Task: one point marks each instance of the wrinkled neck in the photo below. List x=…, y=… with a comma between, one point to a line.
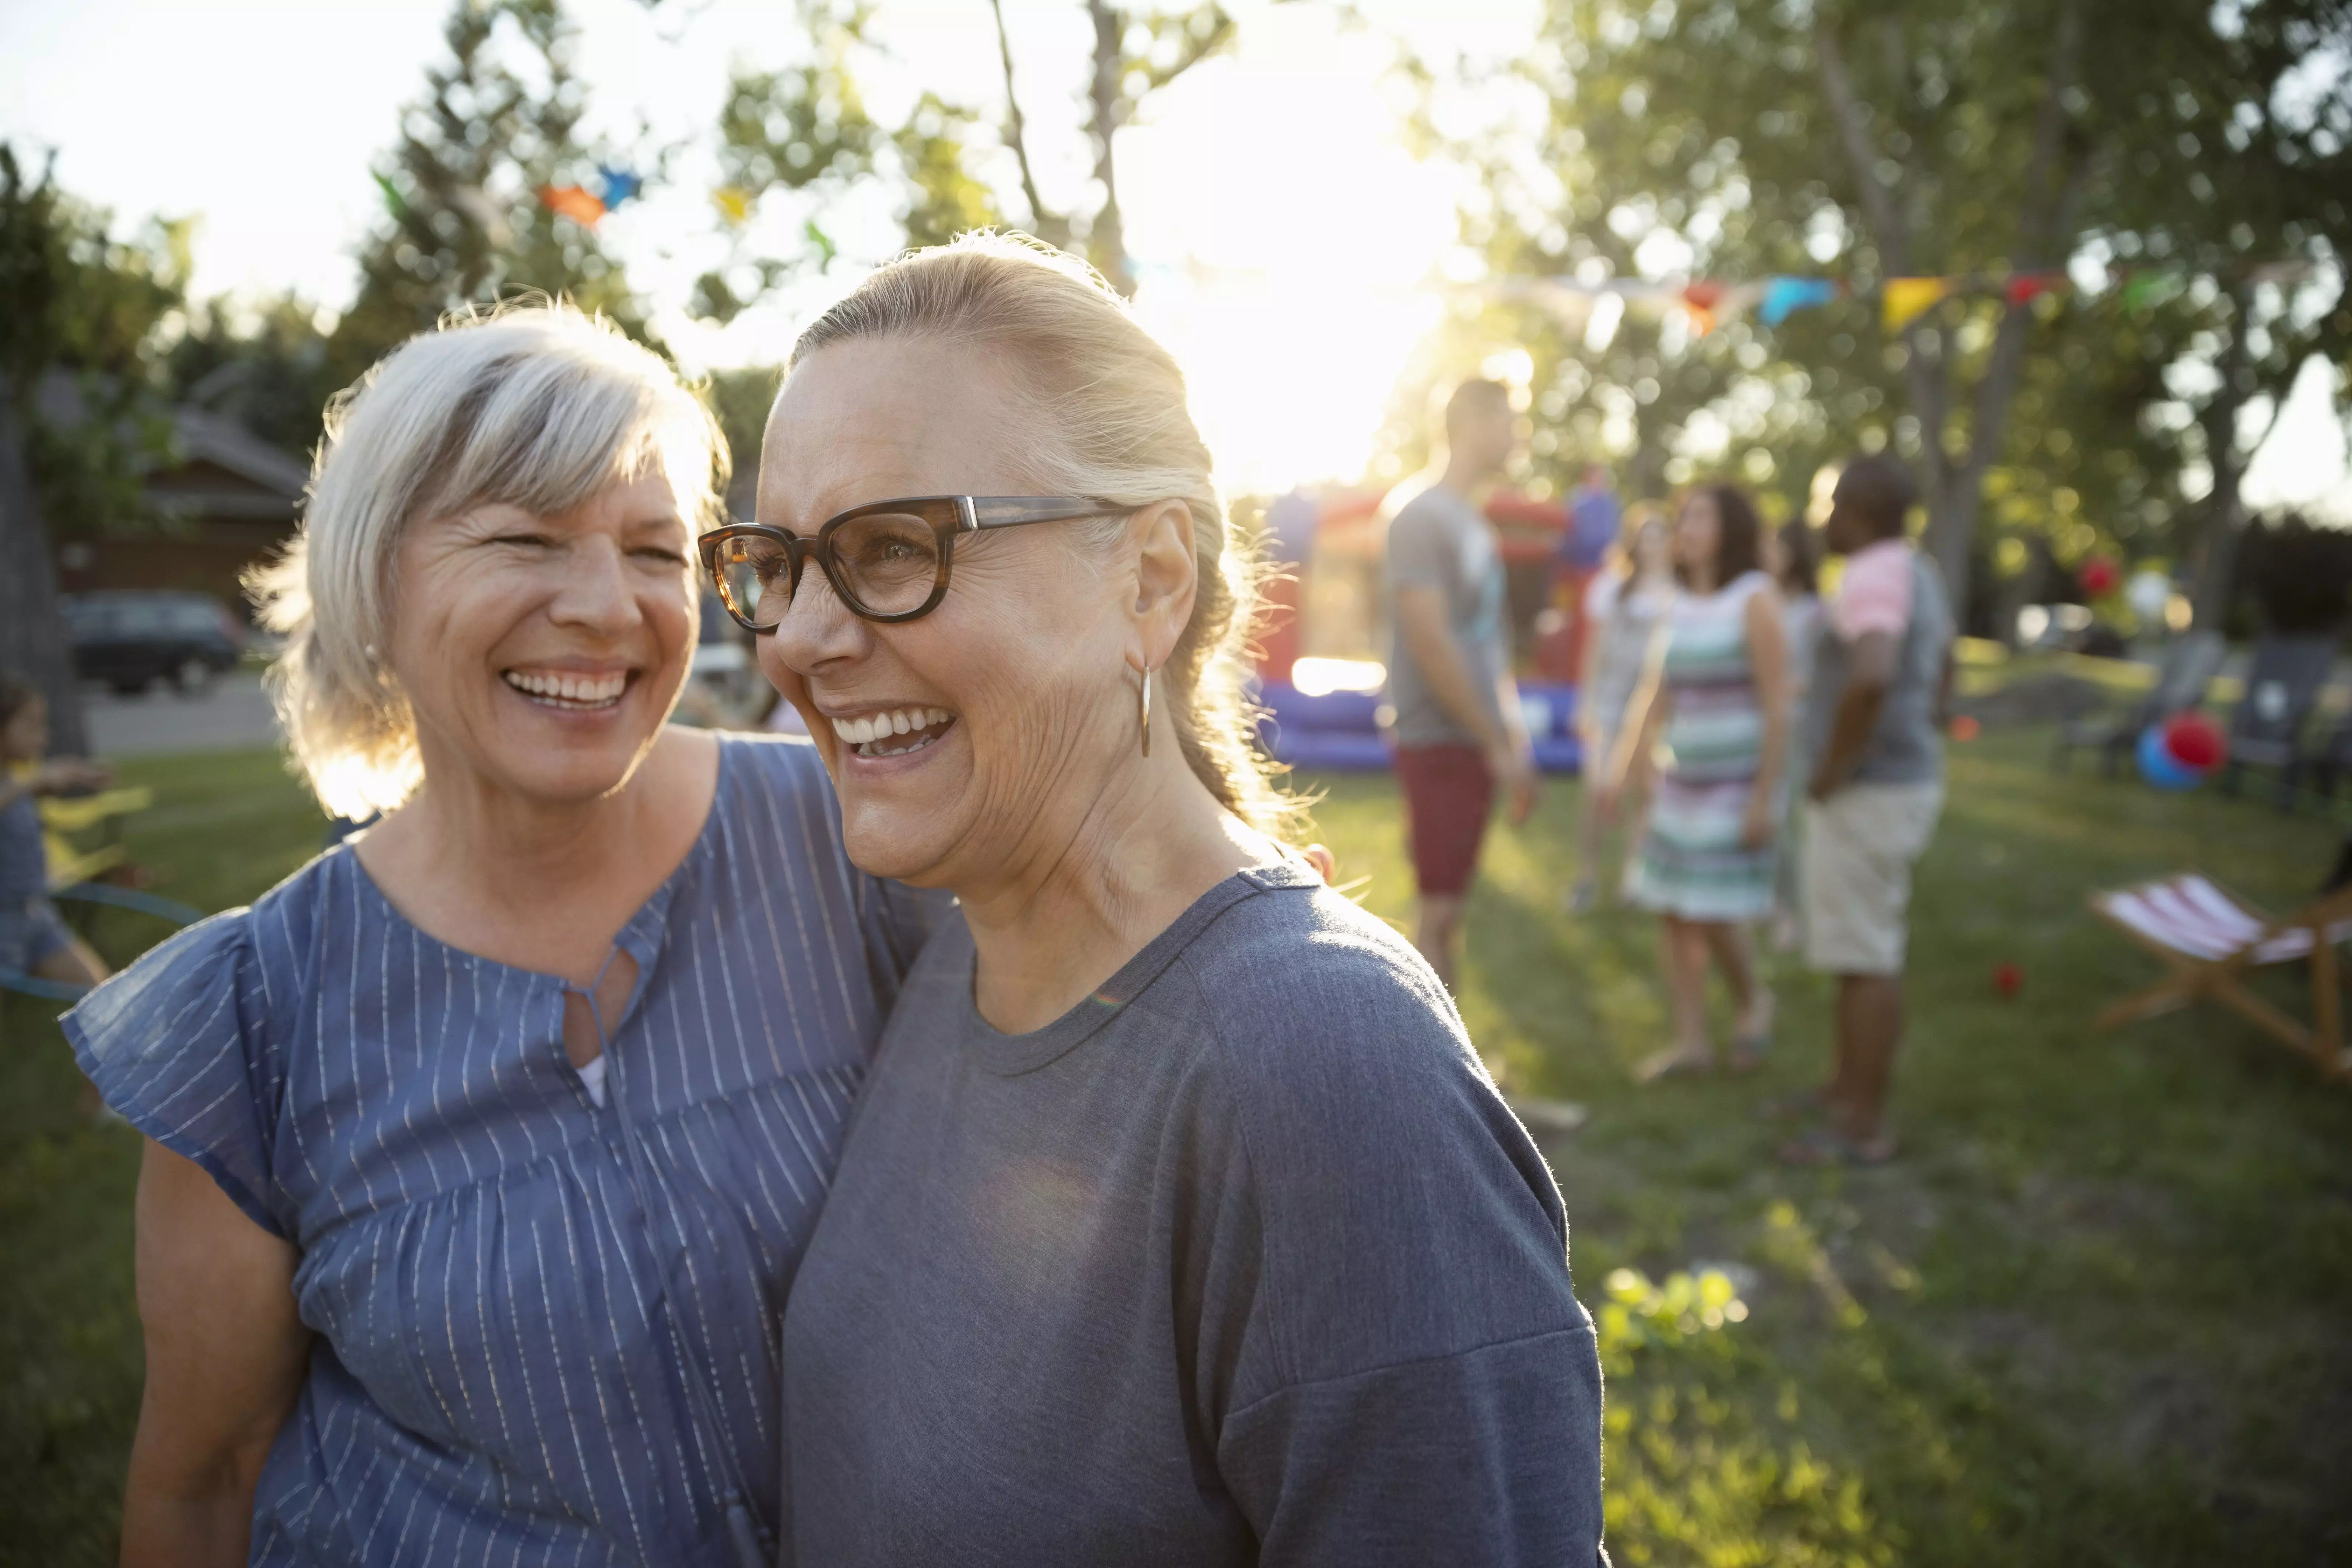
x=1097, y=880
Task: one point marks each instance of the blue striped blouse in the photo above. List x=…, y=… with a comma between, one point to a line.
x=547, y=1330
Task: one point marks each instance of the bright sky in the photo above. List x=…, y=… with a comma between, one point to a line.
x=1282, y=232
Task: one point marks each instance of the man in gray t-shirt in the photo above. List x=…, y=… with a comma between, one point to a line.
x=1458, y=730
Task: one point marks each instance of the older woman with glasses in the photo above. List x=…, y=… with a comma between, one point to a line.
x=483, y=1148
x=1179, y=1223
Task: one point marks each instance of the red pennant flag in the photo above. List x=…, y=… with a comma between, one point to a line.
x=1701, y=298
x=2027, y=287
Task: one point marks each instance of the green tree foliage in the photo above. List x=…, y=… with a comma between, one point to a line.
x=1869, y=140
x=264, y=364
x=465, y=225
x=803, y=130
x=78, y=423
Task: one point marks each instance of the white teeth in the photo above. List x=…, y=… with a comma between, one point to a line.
x=867, y=732
x=589, y=690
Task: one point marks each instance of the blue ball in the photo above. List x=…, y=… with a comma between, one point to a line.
x=2159, y=767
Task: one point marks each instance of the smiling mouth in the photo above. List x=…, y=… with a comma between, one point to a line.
x=569, y=693
x=893, y=733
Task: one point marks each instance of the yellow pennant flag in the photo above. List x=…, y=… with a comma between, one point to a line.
x=1903, y=301
x=734, y=203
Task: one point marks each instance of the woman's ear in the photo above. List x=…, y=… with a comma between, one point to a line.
x=1167, y=577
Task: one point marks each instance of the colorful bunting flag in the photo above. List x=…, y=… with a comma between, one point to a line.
x=572, y=201
x=1700, y=299
x=1784, y=297
x=2146, y=288
x=1708, y=302
x=1903, y=301
x=391, y=197
x=819, y=239
x=734, y=203
x=620, y=185
x=2027, y=286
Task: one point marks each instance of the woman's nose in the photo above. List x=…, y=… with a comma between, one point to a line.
x=817, y=627
x=597, y=593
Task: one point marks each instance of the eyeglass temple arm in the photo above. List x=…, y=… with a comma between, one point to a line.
x=1010, y=512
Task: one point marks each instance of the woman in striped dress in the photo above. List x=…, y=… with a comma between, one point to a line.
x=1712, y=719
x=482, y=1150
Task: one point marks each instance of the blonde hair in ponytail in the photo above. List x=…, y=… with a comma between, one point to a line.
x=1109, y=402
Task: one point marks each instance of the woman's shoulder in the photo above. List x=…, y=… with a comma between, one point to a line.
x=1300, y=983
x=776, y=770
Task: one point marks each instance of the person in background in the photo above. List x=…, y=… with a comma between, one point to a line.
x=1624, y=606
x=1458, y=729
x=1790, y=557
x=1874, y=736
x=1718, y=692
x=1594, y=524
x=34, y=938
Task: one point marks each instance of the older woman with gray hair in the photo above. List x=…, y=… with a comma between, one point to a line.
x=1179, y=1223
x=483, y=1148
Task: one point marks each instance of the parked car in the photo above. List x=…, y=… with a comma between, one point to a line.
x=131, y=639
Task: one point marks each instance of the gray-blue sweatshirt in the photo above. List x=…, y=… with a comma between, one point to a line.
x=1241, y=1261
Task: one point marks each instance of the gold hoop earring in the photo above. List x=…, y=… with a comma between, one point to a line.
x=1143, y=712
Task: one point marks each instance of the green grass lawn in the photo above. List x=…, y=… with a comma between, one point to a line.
x=2097, y=1312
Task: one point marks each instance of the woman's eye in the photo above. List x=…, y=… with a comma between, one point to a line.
x=669, y=557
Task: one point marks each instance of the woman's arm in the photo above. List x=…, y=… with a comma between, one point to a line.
x=1638, y=731
x=1768, y=666
x=226, y=1356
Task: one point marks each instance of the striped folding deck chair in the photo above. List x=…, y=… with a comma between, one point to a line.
x=2209, y=940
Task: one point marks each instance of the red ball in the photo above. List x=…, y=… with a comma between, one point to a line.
x=1965, y=728
x=2098, y=576
x=2007, y=978
x=2195, y=741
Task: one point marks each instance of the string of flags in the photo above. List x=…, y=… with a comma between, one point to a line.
x=584, y=206
x=1706, y=303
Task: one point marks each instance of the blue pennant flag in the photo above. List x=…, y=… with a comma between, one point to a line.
x=1784, y=297
x=619, y=186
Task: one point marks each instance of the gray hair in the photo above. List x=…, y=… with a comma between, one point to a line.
x=536, y=405
x=1107, y=402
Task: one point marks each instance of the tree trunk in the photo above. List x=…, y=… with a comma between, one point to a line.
x=1107, y=238
x=1955, y=496
x=2225, y=518
x=33, y=640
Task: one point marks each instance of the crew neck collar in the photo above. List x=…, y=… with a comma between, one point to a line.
x=1010, y=1056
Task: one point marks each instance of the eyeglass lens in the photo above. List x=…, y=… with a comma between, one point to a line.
x=887, y=562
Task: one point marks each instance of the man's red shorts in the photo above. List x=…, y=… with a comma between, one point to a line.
x=1447, y=793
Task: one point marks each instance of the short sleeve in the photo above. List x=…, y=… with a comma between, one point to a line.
x=1874, y=595
x=1488, y=1457
x=1420, y=554
x=173, y=1044
x=1384, y=1169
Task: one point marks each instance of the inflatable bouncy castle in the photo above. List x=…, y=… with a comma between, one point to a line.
x=1323, y=638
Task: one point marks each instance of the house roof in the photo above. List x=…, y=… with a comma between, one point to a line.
x=201, y=436
x=218, y=439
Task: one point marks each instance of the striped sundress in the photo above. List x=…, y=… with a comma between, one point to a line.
x=547, y=1322
x=1692, y=863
